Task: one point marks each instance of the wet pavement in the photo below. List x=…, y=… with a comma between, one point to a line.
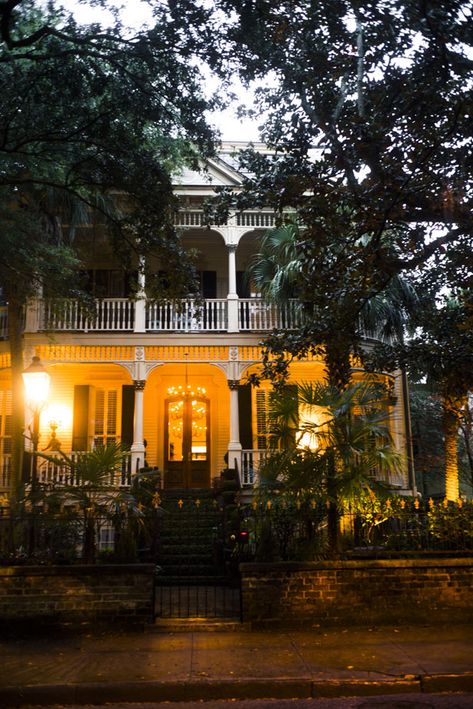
x=159, y=664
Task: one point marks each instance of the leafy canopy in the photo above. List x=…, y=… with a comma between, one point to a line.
x=91, y=114
x=368, y=109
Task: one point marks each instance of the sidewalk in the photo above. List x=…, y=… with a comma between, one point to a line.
x=97, y=665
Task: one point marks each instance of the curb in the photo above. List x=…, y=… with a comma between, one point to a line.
x=305, y=688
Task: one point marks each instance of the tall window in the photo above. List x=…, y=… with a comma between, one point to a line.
x=105, y=416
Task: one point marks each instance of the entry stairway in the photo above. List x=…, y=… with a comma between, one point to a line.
x=195, y=577
x=191, y=535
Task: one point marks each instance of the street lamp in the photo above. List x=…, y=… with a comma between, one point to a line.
x=36, y=381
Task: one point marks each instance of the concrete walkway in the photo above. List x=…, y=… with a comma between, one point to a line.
x=159, y=664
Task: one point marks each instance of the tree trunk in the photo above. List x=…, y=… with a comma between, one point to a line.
x=333, y=514
x=338, y=363
x=451, y=424
x=15, y=335
x=467, y=430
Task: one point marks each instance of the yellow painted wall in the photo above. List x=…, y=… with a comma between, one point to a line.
x=61, y=395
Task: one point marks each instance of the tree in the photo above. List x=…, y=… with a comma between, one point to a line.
x=91, y=485
x=96, y=118
x=277, y=270
x=367, y=109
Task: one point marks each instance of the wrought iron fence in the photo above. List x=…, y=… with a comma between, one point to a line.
x=39, y=536
x=285, y=528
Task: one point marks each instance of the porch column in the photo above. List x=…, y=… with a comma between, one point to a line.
x=232, y=297
x=138, y=447
x=234, y=445
x=140, y=303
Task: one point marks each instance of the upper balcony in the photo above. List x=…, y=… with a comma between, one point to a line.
x=212, y=315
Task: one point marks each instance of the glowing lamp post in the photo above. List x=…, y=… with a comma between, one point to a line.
x=36, y=381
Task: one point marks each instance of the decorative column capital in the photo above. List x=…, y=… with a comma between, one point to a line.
x=233, y=384
x=139, y=384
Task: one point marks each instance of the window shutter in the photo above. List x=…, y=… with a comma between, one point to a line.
x=261, y=418
x=128, y=410
x=99, y=428
x=106, y=406
x=111, y=414
x=244, y=415
x=80, y=424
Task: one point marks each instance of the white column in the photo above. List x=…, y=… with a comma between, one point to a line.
x=140, y=303
x=232, y=297
x=234, y=445
x=138, y=447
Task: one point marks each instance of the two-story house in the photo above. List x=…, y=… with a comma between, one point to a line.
x=169, y=380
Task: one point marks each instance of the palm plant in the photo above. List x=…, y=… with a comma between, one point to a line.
x=388, y=315
x=341, y=446
x=277, y=272
x=92, y=487
x=275, y=269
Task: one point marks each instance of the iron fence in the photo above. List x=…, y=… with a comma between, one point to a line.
x=285, y=529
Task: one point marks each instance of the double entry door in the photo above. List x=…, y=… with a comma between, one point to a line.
x=186, y=442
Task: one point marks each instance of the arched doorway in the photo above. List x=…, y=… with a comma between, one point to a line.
x=187, y=439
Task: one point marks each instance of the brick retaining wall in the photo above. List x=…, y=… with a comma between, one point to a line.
x=77, y=593
x=358, y=592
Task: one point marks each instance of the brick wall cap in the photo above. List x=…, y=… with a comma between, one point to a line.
x=294, y=566
x=77, y=570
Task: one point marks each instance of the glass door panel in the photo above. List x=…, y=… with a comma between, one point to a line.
x=187, y=452
x=175, y=430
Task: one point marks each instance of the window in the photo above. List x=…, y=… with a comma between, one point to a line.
x=109, y=283
x=105, y=430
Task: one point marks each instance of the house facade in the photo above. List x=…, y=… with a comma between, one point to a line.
x=169, y=380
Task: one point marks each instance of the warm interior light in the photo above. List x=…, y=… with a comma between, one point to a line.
x=186, y=391
x=314, y=418
x=36, y=381
x=58, y=416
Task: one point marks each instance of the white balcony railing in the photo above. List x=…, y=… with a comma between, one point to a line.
x=56, y=473
x=257, y=219
x=121, y=314
x=256, y=315
x=251, y=461
x=186, y=316
x=108, y=314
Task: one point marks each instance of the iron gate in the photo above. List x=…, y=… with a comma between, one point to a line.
x=197, y=574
